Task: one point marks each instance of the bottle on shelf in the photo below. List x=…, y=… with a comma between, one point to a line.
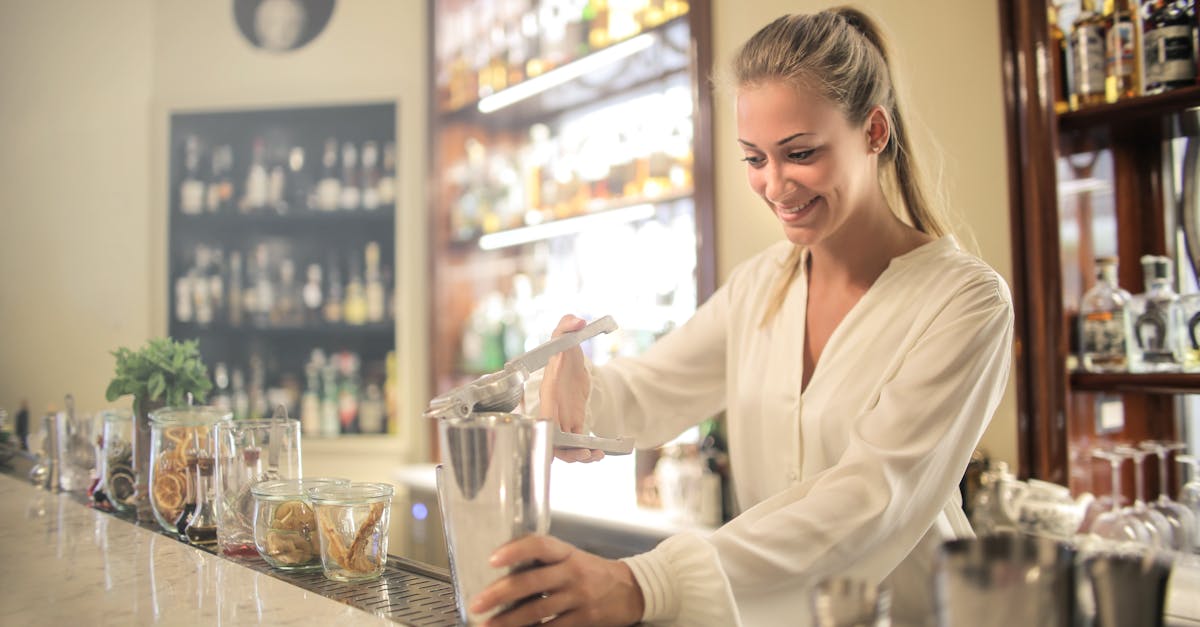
x=387, y=176
x=192, y=186
x=277, y=179
x=354, y=309
x=235, y=289
x=299, y=182
x=254, y=195
x=222, y=397
x=1155, y=319
x=351, y=195
x=333, y=299
x=376, y=300
x=330, y=426
x=347, y=392
x=262, y=286
x=1058, y=59
x=219, y=194
x=1087, y=57
x=371, y=410
x=312, y=295
x=329, y=185
x=1123, y=56
x=288, y=307
x=310, y=402
x=1104, y=345
x=370, y=176
x=1169, y=47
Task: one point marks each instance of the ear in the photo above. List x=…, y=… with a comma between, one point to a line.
x=878, y=129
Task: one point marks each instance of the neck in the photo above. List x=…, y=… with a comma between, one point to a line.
x=861, y=249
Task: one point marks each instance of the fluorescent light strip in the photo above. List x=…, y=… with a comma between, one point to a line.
x=564, y=73
x=566, y=226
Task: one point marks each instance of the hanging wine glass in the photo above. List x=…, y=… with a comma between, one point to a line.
x=1161, y=533
x=1189, y=494
x=1182, y=520
x=1115, y=524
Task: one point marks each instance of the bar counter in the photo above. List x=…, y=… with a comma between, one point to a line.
x=66, y=563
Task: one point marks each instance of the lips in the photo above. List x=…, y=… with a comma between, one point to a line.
x=792, y=212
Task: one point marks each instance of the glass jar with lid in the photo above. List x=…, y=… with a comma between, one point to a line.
x=352, y=523
x=177, y=436
x=285, y=527
x=247, y=452
x=117, y=477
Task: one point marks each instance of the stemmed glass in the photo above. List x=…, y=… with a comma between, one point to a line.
x=1116, y=524
x=1161, y=533
x=1189, y=495
x=1182, y=520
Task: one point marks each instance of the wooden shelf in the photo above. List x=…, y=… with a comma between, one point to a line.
x=1124, y=112
x=1147, y=383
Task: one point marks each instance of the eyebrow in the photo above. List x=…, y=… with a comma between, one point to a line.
x=778, y=143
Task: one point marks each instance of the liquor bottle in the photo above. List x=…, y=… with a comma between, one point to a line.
x=333, y=298
x=329, y=186
x=277, y=179
x=254, y=196
x=288, y=308
x=1123, y=56
x=241, y=400
x=354, y=310
x=235, y=289
x=183, y=298
x=387, y=175
x=1168, y=44
x=215, y=276
x=347, y=396
x=1087, y=57
x=351, y=195
x=370, y=176
x=219, y=194
x=375, y=293
x=189, y=502
x=1104, y=346
x=299, y=181
x=1058, y=59
x=371, y=410
x=310, y=402
x=312, y=295
x=201, y=528
x=264, y=288
x=222, y=398
x=191, y=188
x=329, y=400
x=1155, y=319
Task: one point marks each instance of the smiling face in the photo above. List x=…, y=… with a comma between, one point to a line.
x=815, y=170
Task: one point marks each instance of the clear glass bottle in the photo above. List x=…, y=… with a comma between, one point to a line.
x=1155, y=320
x=1103, y=330
x=202, y=526
x=1087, y=57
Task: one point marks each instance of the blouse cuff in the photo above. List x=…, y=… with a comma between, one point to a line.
x=682, y=583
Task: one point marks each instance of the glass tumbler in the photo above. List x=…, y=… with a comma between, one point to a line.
x=247, y=452
x=116, y=459
x=285, y=527
x=174, y=431
x=352, y=523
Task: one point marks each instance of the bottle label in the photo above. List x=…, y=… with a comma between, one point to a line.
x=1169, y=55
x=1119, y=61
x=1087, y=60
x=1104, y=333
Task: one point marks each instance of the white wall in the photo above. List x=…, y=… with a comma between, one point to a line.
x=951, y=73
x=86, y=88
x=75, y=219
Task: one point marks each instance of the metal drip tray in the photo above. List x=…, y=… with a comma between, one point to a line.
x=409, y=592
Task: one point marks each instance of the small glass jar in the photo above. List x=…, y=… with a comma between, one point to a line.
x=177, y=434
x=285, y=527
x=117, y=478
x=352, y=523
x=247, y=452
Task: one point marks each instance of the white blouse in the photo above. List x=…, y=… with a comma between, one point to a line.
x=857, y=476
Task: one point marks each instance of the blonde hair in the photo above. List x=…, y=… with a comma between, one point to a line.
x=841, y=53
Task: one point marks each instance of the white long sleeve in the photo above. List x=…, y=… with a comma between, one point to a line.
x=848, y=478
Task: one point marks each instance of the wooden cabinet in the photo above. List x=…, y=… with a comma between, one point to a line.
x=1097, y=181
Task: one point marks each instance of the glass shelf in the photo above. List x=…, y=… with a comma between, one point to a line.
x=1127, y=112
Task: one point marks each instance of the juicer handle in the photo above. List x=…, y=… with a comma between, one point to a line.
x=537, y=358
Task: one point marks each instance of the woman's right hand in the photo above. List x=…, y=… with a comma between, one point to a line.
x=564, y=392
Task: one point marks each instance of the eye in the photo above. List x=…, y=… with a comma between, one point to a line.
x=754, y=160
x=800, y=155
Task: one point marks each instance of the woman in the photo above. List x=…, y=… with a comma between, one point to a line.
x=858, y=363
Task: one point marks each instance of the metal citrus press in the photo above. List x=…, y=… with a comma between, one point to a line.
x=502, y=391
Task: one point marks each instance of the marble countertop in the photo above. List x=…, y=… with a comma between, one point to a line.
x=66, y=564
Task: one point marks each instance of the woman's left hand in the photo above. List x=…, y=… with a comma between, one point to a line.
x=572, y=586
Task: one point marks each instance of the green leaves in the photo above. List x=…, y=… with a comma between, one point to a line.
x=164, y=370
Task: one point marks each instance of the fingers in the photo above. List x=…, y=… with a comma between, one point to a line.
x=569, y=323
x=578, y=455
x=533, y=611
x=530, y=549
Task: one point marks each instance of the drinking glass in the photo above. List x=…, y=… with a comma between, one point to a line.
x=247, y=452
x=1189, y=494
x=117, y=477
x=1183, y=521
x=1162, y=535
x=352, y=523
x=1116, y=524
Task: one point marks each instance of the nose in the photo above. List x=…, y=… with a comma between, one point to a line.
x=776, y=186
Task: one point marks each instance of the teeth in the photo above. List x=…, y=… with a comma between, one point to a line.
x=795, y=210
